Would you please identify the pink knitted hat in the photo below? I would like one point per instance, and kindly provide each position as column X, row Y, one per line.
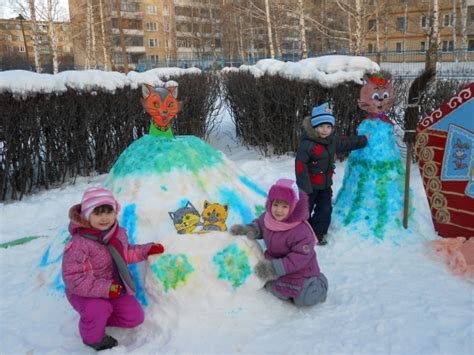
column 286, row 190
column 96, row 196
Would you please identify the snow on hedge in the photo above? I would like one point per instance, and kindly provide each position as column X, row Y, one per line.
column 329, row 70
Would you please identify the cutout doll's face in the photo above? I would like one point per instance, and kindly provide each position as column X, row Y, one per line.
column 376, row 96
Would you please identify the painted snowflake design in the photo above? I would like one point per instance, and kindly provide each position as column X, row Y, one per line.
column 171, row 270
column 233, row 265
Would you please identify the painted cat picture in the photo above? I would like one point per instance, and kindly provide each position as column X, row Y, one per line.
column 186, row 219
column 214, row 217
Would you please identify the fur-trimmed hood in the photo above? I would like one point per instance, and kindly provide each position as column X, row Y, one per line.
column 308, row 132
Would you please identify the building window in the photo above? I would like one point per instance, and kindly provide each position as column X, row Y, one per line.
column 370, row 48
column 470, row 46
column 8, row 37
column 166, row 10
column 21, row 49
column 372, row 25
column 153, row 43
column 371, row 2
column 150, row 9
column 448, row 46
column 154, row 57
column 167, row 27
column 422, row 46
column 401, row 24
column 167, row 44
column 398, row 47
column 183, row 42
column 448, row 20
column 424, row 22
column 150, row 26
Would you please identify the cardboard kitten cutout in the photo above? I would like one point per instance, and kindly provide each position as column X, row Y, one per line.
column 161, row 104
column 376, row 95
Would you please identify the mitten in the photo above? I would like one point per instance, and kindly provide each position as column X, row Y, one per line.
column 115, row 289
column 249, row 230
column 265, row 270
column 156, row 249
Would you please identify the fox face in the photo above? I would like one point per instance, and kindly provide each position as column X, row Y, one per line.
column 161, row 104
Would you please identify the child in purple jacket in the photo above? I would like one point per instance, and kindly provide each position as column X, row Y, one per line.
column 98, row 283
column 291, row 264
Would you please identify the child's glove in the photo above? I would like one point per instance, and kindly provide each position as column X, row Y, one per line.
column 156, row 249
column 115, row 289
column 249, row 230
column 265, row 270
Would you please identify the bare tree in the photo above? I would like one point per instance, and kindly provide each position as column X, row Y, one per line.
column 463, row 19
column 269, row 28
column 105, row 50
column 36, row 39
column 302, row 30
column 53, row 36
column 122, row 36
column 431, row 58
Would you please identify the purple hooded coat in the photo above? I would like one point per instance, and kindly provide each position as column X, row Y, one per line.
column 291, row 251
column 88, row 269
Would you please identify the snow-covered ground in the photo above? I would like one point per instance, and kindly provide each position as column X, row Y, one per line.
column 383, row 298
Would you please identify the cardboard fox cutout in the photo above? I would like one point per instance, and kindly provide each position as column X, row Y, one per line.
column 161, row 104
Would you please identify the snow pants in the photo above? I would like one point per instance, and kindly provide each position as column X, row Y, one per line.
column 320, row 210
column 315, row 290
column 97, row 313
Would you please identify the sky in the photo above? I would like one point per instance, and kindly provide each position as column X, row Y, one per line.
column 384, row 297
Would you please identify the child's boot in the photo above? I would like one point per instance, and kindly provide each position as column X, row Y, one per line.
column 107, row 342
column 321, row 240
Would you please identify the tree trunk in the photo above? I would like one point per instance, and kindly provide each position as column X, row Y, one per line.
column 104, row 41
column 269, row 29
column 358, row 28
column 88, row 59
column 122, row 37
column 454, row 29
column 302, row 30
column 463, row 19
column 432, row 53
column 36, row 40
column 53, row 38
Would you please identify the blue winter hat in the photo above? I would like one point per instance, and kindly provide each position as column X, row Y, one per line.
column 322, row 114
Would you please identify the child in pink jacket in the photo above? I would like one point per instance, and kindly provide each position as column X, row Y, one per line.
column 99, row 285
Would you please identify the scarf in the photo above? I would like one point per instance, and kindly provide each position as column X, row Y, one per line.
column 277, row 226
column 381, row 116
column 108, row 238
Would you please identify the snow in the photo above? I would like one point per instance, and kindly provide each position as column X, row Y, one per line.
column 383, row 298
column 327, row 70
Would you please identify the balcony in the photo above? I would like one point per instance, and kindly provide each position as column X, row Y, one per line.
column 137, row 15
column 129, row 32
column 131, row 49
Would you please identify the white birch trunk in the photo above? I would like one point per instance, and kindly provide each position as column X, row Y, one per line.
column 269, row 29
column 302, row 30
column 102, row 31
column 377, row 26
column 454, row 28
column 358, row 28
column 87, row 63
column 93, row 40
column 53, row 37
column 463, row 19
column 36, row 40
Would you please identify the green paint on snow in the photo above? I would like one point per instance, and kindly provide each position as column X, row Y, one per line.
column 171, row 270
column 155, row 156
column 20, row 241
column 233, row 265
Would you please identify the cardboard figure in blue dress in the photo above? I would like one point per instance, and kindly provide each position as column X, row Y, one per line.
column 371, row 197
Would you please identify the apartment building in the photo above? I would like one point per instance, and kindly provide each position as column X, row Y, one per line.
column 16, row 42
column 405, row 25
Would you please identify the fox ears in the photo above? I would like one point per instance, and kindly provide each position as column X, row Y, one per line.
column 171, row 86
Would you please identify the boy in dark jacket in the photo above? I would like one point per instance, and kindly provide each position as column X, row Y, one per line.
column 314, row 164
